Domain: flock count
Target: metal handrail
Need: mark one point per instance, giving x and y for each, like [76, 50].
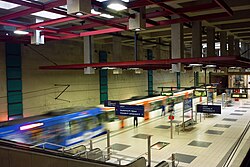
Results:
[44, 143]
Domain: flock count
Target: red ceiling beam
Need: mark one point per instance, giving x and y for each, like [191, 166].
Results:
[170, 9]
[209, 16]
[33, 10]
[18, 14]
[224, 6]
[93, 25]
[167, 22]
[146, 63]
[11, 24]
[140, 3]
[56, 21]
[23, 3]
[197, 8]
[108, 23]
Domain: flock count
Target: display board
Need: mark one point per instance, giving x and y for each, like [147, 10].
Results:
[210, 96]
[212, 109]
[187, 104]
[130, 110]
[239, 95]
[200, 93]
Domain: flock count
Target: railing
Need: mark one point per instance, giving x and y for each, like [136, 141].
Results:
[52, 144]
[236, 146]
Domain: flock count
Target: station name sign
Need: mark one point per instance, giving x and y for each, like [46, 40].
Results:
[130, 110]
[212, 109]
[239, 95]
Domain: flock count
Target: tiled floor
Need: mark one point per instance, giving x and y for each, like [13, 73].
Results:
[214, 132]
[119, 147]
[236, 114]
[222, 125]
[199, 143]
[163, 127]
[159, 145]
[229, 119]
[205, 146]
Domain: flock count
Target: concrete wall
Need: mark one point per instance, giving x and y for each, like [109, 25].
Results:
[3, 89]
[39, 90]
[127, 84]
[165, 78]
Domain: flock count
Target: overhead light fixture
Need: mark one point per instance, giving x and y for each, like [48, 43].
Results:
[7, 5]
[195, 65]
[48, 15]
[137, 29]
[106, 15]
[79, 14]
[109, 68]
[93, 11]
[210, 66]
[21, 32]
[116, 5]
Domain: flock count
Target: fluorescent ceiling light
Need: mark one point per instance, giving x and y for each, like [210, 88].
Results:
[48, 15]
[195, 65]
[21, 32]
[93, 11]
[107, 16]
[211, 66]
[79, 14]
[7, 5]
[117, 6]
[107, 0]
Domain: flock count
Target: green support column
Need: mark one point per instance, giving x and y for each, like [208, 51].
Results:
[103, 78]
[178, 80]
[196, 79]
[150, 74]
[14, 80]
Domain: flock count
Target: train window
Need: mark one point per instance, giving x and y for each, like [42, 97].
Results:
[75, 126]
[101, 118]
[90, 123]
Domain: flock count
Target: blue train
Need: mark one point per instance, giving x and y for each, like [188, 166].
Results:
[64, 127]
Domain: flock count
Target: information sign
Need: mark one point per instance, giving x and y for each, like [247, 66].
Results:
[213, 109]
[111, 103]
[130, 110]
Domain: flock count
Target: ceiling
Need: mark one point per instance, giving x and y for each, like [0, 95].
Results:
[232, 16]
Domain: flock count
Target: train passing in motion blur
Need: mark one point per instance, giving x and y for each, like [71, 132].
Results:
[69, 126]
[63, 127]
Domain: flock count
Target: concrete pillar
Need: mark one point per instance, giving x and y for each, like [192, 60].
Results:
[210, 41]
[117, 49]
[237, 47]
[230, 45]
[88, 54]
[223, 43]
[248, 51]
[158, 49]
[177, 48]
[141, 55]
[243, 49]
[196, 39]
